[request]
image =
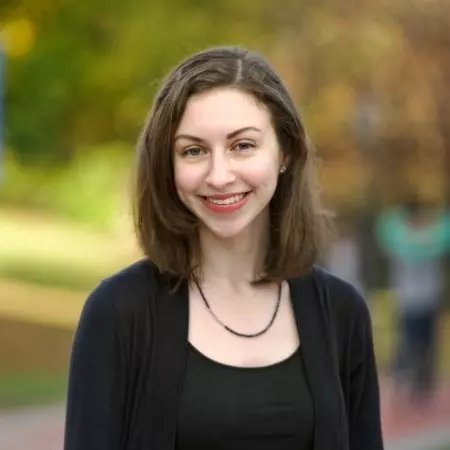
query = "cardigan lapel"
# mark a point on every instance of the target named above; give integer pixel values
(171, 337)
(321, 374)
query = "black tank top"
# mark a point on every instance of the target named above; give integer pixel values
(237, 408)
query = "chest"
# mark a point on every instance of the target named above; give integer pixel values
(207, 333)
(239, 408)
(176, 321)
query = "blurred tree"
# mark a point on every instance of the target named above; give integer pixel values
(89, 76)
(94, 67)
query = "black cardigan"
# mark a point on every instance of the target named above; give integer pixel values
(129, 354)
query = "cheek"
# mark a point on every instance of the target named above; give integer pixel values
(187, 179)
(262, 174)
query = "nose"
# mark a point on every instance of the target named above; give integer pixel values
(220, 174)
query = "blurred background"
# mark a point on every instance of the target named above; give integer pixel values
(76, 82)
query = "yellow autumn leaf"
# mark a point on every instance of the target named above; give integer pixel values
(18, 37)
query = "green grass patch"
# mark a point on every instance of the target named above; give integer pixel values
(31, 388)
(46, 250)
(52, 274)
(87, 190)
(34, 362)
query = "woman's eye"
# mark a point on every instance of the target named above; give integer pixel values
(193, 151)
(243, 146)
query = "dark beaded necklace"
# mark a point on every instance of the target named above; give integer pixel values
(237, 333)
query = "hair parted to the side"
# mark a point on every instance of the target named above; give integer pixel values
(167, 231)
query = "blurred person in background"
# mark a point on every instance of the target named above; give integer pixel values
(226, 335)
(416, 238)
(344, 256)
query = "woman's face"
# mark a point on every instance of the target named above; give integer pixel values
(226, 160)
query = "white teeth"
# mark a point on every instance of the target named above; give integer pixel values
(226, 201)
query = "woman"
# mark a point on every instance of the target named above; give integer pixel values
(225, 336)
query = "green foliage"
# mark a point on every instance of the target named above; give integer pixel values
(90, 71)
(94, 67)
(91, 189)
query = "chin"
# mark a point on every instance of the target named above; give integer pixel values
(225, 231)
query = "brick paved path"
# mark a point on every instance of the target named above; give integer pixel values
(32, 429)
(403, 421)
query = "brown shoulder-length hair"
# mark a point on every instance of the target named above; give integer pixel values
(167, 231)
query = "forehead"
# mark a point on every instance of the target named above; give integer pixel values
(223, 110)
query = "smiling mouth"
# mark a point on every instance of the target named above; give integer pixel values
(225, 200)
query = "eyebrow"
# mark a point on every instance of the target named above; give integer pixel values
(229, 136)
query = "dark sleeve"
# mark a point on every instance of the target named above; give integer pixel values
(97, 381)
(364, 415)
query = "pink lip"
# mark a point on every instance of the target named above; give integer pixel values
(225, 208)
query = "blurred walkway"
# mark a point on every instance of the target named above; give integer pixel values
(42, 428)
(32, 429)
(426, 428)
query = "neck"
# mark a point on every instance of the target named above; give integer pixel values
(236, 260)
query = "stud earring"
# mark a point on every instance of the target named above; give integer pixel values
(282, 168)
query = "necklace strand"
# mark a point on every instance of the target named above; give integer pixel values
(237, 333)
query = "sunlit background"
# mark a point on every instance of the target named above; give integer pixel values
(372, 79)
